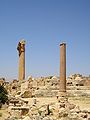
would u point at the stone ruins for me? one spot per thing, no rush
(46, 98)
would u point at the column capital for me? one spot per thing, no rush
(22, 42)
(21, 46)
(63, 43)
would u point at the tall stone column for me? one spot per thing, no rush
(21, 50)
(62, 68)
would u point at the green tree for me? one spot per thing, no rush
(3, 95)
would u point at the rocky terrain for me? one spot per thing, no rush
(37, 99)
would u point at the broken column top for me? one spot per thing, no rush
(21, 46)
(63, 43)
(22, 41)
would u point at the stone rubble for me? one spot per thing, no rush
(20, 108)
(61, 110)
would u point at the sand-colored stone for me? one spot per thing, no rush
(62, 67)
(21, 50)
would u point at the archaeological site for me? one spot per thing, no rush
(46, 98)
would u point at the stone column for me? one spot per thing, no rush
(63, 67)
(21, 50)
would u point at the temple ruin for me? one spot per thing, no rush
(47, 98)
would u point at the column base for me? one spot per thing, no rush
(62, 97)
(62, 94)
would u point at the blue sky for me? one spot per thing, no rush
(44, 24)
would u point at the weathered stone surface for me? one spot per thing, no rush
(24, 86)
(27, 118)
(63, 113)
(2, 81)
(61, 109)
(26, 94)
(21, 50)
(62, 67)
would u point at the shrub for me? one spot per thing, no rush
(3, 95)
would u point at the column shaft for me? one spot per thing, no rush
(22, 66)
(63, 67)
(21, 50)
